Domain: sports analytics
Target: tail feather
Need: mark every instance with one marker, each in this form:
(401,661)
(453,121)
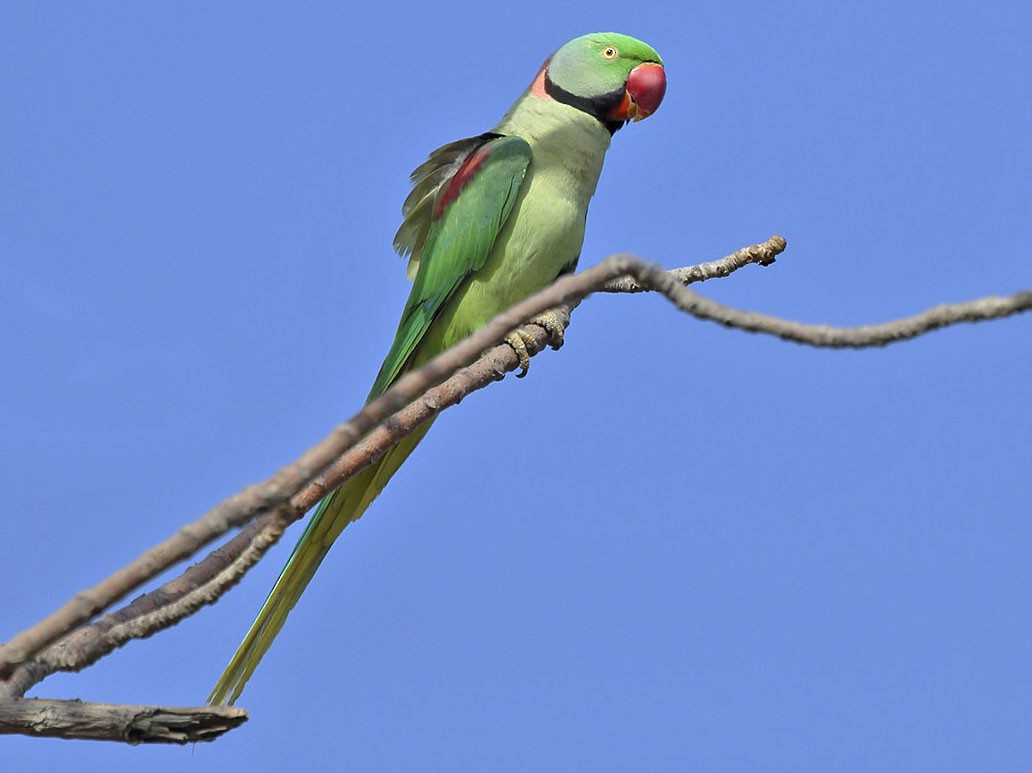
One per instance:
(334,512)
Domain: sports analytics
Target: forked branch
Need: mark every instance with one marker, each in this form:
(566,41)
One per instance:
(66,640)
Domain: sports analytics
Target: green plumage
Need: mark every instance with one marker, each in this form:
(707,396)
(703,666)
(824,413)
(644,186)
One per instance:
(489,221)
(467,232)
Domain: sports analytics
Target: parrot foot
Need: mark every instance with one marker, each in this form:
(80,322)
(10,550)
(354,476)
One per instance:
(555,325)
(525,344)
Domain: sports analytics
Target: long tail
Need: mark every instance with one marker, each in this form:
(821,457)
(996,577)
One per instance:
(333,513)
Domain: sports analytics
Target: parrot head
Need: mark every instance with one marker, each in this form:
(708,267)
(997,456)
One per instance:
(614,77)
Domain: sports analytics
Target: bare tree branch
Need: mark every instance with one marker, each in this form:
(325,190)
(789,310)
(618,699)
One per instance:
(864,336)
(208,580)
(272,495)
(107,722)
(762,254)
(63,642)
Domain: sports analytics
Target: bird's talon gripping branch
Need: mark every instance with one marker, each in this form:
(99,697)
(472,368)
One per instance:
(553,323)
(526,345)
(522,342)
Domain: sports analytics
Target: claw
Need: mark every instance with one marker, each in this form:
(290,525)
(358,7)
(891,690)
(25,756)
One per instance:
(551,322)
(520,341)
(524,344)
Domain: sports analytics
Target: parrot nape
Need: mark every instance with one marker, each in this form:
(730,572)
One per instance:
(490,220)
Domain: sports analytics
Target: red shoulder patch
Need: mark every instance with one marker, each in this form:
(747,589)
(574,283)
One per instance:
(537,86)
(466,172)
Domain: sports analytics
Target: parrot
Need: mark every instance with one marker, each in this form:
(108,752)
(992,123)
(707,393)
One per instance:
(490,220)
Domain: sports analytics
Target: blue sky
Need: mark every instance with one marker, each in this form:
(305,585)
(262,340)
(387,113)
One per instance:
(672,546)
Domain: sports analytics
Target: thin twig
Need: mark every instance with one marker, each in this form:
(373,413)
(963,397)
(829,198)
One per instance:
(762,254)
(864,336)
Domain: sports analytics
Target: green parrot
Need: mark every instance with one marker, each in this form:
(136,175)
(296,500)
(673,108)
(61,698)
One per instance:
(490,220)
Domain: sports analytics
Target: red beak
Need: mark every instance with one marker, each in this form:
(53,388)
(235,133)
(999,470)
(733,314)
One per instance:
(646,86)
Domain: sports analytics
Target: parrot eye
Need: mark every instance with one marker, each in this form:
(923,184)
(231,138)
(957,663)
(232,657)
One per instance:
(609,53)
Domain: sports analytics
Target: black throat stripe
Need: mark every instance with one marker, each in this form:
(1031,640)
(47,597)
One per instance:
(597,107)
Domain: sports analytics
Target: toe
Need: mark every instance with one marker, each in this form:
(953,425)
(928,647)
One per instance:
(518,343)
